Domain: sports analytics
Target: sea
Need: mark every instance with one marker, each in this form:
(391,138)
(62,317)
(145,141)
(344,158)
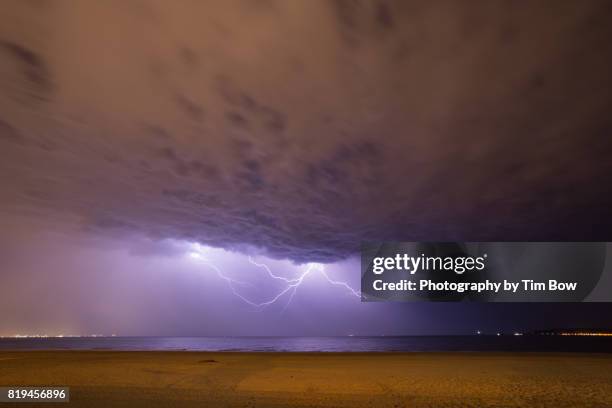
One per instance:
(474,343)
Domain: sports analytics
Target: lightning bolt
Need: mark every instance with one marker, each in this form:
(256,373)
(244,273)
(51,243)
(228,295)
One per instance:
(291,284)
(230,281)
(339,283)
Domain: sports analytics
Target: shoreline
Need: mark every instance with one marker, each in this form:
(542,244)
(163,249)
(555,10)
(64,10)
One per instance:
(339,353)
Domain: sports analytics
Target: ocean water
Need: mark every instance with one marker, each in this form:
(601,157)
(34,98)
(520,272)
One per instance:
(320,344)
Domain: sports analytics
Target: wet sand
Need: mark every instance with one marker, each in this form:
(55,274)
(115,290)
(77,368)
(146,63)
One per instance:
(195,379)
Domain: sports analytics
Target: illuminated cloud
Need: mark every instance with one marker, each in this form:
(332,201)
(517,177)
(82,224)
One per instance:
(299,129)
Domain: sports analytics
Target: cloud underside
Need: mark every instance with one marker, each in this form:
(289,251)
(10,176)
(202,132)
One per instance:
(246,125)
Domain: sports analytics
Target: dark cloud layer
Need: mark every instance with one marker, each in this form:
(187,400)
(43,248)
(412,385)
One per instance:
(303,128)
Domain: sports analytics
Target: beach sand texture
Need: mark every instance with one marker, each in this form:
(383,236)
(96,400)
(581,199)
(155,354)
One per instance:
(197,379)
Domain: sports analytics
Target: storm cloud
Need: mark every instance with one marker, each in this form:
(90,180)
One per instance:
(300,129)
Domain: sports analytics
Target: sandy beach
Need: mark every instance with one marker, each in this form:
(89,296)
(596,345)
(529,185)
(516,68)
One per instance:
(190,379)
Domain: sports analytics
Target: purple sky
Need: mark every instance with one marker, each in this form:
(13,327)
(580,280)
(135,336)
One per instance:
(291,132)
(61,281)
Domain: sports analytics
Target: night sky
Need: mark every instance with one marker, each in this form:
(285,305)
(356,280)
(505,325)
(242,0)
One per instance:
(154,155)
